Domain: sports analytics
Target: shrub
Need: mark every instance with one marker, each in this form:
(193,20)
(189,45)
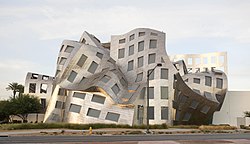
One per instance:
(208,128)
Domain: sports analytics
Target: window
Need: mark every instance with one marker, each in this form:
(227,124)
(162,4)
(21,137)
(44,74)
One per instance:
(93,113)
(151,76)
(105,78)
(43,103)
(139,77)
(75,108)
(99,55)
(69,49)
(219,98)
(59,104)
(208,95)
(112,116)
(62,60)
(197,61)
(197,91)
(190,61)
(121,53)
(130,65)
(153,34)
(79,95)
(197,80)
(186,117)
(221,59)
(140,46)
(140,113)
(164,73)
(213,59)
(194,104)
(131,50)
(152,44)
(62,92)
(140,62)
(123,81)
(164,113)
(43,88)
(82,60)
(184,99)
(93,67)
(72,76)
(32,88)
(122,41)
(164,92)
(131,37)
(151,113)
(142,94)
(151,92)
(61,48)
(208,81)
(115,89)
(205,61)
(98,99)
(219,83)
(44,77)
(34,76)
(151,58)
(141,34)
(205,109)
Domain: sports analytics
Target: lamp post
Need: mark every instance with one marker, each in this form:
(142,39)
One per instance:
(149,73)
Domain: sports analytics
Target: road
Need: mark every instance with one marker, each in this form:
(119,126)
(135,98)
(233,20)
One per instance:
(128,138)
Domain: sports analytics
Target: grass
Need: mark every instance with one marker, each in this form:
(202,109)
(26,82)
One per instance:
(73,126)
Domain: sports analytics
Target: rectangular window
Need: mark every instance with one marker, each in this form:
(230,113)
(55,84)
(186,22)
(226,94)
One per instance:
(112,116)
(79,95)
(194,104)
(43,88)
(82,60)
(59,104)
(98,99)
(164,113)
(43,103)
(153,34)
(205,109)
(72,76)
(105,78)
(213,59)
(75,108)
(208,81)
(197,80)
(32,88)
(139,77)
(205,61)
(130,65)
(151,76)
(93,113)
(164,73)
(141,34)
(140,46)
(151,92)
(151,58)
(190,61)
(62,92)
(219,83)
(99,55)
(208,95)
(62,61)
(34,76)
(197,61)
(44,77)
(186,117)
(142,94)
(131,50)
(152,44)
(69,49)
(131,37)
(121,53)
(164,92)
(140,61)
(151,113)
(93,67)
(122,41)
(115,89)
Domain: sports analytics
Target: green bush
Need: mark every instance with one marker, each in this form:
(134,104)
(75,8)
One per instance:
(185,126)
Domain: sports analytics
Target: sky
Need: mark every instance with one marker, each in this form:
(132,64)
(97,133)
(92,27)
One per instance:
(31,31)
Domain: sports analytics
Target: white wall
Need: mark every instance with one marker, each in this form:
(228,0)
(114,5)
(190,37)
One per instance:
(236,102)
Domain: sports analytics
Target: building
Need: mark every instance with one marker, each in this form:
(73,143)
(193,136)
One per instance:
(110,82)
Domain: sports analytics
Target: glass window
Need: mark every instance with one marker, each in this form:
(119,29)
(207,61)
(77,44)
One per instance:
(151,92)
(219,83)
(75,108)
(197,80)
(186,117)
(115,89)
(141,34)
(140,46)
(93,113)
(208,95)
(62,60)
(79,95)
(130,65)
(32,88)
(82,60)
(213,59)
(139,77)
(164,113)
(190,61)
(153,34)
(43,103)
(122,41)
(151,76)
(208,81)
(93,67)
(121,53)
(151,113)
(164,73)
(151,58)
(61,48)
(99,55)
(98,99)
(142,94)
(72,76)
(105,78)
(140,62)
(152,43)
(205,61)
(205,109)
(62,92)
(194,104)
(164,92)
(112,116)
(123,81)
(58,104)
(69,49)
(131,37)
(43,88)
(131,50)
(197,61)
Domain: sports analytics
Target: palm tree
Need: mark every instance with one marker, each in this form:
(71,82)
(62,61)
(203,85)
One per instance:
(15,87)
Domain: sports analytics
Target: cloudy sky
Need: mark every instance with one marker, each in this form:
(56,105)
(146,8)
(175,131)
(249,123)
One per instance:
(31,31)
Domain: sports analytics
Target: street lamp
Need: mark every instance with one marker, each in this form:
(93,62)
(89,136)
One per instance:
(149,73)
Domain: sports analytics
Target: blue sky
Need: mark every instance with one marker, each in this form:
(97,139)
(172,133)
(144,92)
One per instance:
(31,31)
